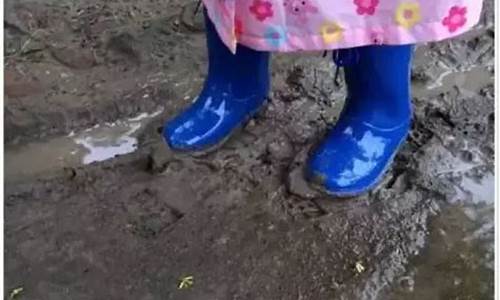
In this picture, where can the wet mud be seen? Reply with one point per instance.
(97, 207)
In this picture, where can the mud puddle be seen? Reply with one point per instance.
(469, 80)
(95, 144)
(458, 260)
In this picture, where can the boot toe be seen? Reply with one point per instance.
(207, 123)
(350, 178)
(176, 136)
(190, 133)
(351, 161)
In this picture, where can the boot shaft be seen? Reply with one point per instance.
(378, 80)
(246, 69)
(384, 69)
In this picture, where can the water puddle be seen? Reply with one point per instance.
(458, 260)
(111, 139)
(99, 143)
(472, 79)
(476, 190)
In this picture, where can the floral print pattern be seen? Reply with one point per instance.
(408, 14)
(275, 36)
(331, 32)
(299, 25)
(366, 6)
(456, 18)
(262, 9)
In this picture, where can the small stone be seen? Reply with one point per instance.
(250, 124)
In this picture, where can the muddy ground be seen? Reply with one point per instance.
(241, 221)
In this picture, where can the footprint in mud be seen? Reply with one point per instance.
(296, 207)
(148, 216)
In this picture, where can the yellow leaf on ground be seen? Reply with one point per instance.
(16, 292)
(186, 282)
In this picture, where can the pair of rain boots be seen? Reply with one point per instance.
(355, 153)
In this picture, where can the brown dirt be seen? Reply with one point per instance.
(241, 221)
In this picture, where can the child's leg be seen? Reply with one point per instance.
(374, 123)
(234, 90)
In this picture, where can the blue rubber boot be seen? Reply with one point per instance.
(235, 89)
(373, 124)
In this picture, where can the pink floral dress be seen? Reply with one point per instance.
(297, 25)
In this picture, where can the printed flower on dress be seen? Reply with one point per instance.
(262, 9)
(275, 36)
(331, 32)
(456, 18)
(408, 14)
(366, 6)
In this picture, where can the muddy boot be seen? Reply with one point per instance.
(373, 124)
(235, 89)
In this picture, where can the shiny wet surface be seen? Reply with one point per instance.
(236, 87)
(98, 143)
